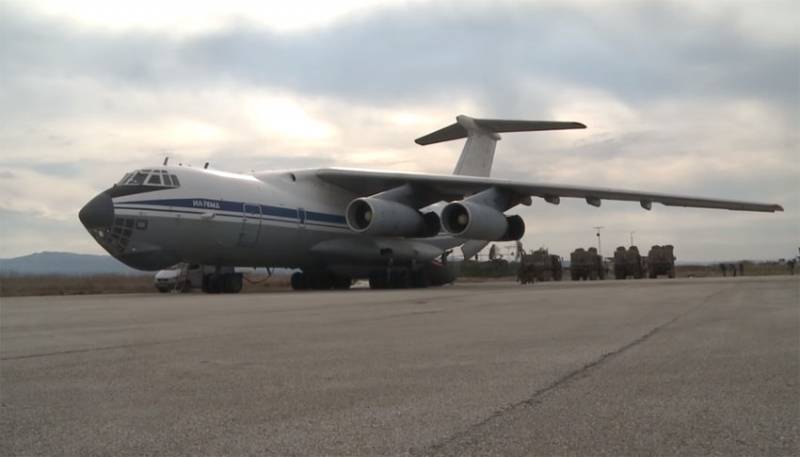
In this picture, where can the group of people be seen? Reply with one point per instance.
(731, 268)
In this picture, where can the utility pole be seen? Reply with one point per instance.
(599, 243)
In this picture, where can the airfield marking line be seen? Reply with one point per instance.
(579, 373)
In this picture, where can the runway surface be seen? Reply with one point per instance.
(653, 367)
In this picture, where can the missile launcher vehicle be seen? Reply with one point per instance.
(661, 261)
(586, 264)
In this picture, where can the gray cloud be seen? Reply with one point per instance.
(657, 62)
(642, 52)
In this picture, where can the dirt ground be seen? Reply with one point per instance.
(28, 285)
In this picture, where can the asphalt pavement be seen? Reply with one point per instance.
(651, 367)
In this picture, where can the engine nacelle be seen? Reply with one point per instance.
(516, 228)
(474, 221)
(379, 217)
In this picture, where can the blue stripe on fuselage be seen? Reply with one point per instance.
(238, 207)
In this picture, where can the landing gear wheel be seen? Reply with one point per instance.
(341, 282)
(400, 279)
(420, 279)
(299, 281)
(377, 280)
(232, 283)
(318, 281)
(212, 284)
(229, 283)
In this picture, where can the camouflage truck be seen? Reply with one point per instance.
(539, 265)
(628, 263)
(661, 261)
(586, 264)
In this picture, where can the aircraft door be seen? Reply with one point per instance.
(251, 224)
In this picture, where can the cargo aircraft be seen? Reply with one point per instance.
(335, 225)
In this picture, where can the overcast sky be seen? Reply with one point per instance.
(678, 97)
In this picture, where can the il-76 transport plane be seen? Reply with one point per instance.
(335, 224)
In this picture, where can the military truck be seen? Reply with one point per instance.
(661, 261)
(586, 264)
(539, 265)
(628, 263)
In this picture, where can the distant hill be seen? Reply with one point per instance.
(64, 263)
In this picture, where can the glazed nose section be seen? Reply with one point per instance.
(98, 213)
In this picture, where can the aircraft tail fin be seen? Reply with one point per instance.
(482, 135)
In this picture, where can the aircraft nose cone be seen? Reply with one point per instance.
(98, 213)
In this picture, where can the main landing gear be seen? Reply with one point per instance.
(392, 277)
(226, 283)
(319, 281)
(399, 278)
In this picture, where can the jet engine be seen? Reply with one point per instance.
(474, 221)
(380, 217)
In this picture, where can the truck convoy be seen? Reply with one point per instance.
(586, 264)
(661, 261)
(539, 265)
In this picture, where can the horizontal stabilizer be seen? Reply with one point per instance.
(459, 129)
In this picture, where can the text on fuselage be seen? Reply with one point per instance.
(205, 204)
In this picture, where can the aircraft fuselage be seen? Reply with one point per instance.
(278, 219)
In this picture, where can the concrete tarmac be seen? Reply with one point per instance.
(650, 367)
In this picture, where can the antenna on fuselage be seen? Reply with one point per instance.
(205, 167)
(166, 159)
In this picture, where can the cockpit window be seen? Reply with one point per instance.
(150, 179)
(137, 179)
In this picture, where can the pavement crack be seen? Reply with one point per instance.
(536, 396)
(101, 348)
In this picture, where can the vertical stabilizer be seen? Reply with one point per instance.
(478, 153)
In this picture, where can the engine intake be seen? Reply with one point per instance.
(474, 221)
(379, 217)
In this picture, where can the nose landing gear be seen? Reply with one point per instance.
(226, 283)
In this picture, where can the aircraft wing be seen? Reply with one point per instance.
(430, 188)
